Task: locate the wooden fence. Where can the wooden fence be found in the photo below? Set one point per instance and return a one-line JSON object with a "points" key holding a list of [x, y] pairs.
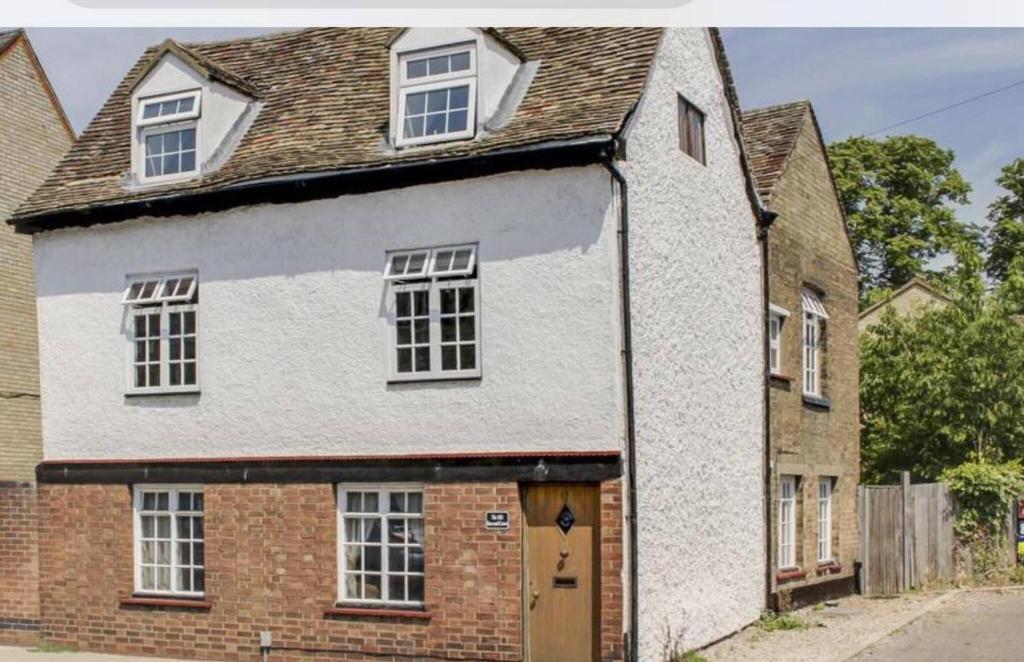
{"points": [[906, 536]]}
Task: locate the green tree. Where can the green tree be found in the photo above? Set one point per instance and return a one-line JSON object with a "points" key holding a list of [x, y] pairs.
{"points": [[1006, 218], [947, 386], [899, 195]]}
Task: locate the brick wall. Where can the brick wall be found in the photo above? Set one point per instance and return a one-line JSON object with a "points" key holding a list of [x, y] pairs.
{"points": [[19, 569], [271, 565], [808, 245]]}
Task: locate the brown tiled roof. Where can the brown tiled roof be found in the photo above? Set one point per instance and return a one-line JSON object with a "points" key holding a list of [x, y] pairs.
{"points": [[326, 101], [7, 38], [770, 135]]}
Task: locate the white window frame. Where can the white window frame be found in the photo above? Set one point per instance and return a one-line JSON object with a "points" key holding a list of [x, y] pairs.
{"points": [[776, 321], [825, 489], [787, 524], [384, 491], [434, 282], [156, 129], [166, 306], [407, 86], [814, 319], [167, 119], [173, 491]]}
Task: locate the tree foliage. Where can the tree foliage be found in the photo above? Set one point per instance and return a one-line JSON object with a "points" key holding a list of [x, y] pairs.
{"points": [[947, 386], [1006, 216], [899, 195]]}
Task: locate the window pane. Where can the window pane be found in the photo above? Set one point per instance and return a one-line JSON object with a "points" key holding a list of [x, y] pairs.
{"points": [[147, 578], [198, 552], [184, 579], [415, 559], [148, 501], [415, 589], [435, 124], [354, 587], [199, 580], [437, 65], [447, 301], [416, 261], [150, 110], [397, 502], [457, 121], [414, 127], [371, 530], [459, 97], [416, 68], [416, 531], [447, 329], [371, 558], [396, 530], [422, 359], [404, 360], [185, 105], [461, 259], [172, 141], [449, 358], [467, 328], [147, 550], [421, 302], [422, 331], [466, 302], [398, 263], [402, 304], [403, 332], [188, 161], [188, 139], [396, 588], [415, 104], [460, 61], [190, 373], [161, 503], [190, 348], [171, 164], [372, 587], [467, 357], [184, 527], [415, 502]]}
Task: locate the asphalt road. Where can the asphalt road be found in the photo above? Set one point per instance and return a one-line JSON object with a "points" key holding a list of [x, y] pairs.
{"points": [[978, 626]]}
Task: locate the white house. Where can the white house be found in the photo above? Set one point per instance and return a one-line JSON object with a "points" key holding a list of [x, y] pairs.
{"points": [[430, 342]]}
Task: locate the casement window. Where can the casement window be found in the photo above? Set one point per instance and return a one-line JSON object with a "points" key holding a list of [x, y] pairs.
{"points": [[168, 127], [824, 519], [691, 130], [436, 95], [380, 546], [787, 522], [776, 317], [162, 314], [169, 540], [433, 314], [814, 323]]}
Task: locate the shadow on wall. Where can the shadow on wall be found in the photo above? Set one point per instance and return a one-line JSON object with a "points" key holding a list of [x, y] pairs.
{"points": [[512, 216]]}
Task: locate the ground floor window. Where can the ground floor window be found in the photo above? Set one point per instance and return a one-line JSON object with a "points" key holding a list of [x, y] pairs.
{"points": [[824, 519], [381, 544], [169, 544], [787, 522]]}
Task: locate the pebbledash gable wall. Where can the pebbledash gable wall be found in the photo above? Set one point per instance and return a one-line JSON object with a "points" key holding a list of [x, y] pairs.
{"points": [[809, 246], [33, 137], [293, 335], [697, 342], [271, 564]]}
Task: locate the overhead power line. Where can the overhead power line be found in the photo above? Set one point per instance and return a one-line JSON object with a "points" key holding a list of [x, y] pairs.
{"points": [[949, 107]]}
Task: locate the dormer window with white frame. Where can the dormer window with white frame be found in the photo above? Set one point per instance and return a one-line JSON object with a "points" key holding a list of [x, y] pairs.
{"points": [[437, 95], [433, 313], [167, 128]]}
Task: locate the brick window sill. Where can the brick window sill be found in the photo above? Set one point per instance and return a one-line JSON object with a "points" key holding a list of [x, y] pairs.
{"points": [[374, 612], [817, 402], [779, 377], [177, 603], [828, 568], [788, 575]]}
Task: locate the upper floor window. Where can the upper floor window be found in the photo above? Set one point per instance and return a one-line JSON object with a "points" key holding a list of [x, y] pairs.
{"points": [[162, 316], [691, 130], [814, 323], [437, 95], [167, 135], [433, 313], [776, 317]]}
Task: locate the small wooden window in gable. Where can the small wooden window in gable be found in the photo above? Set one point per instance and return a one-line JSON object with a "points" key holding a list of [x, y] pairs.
{"points": [[691, 130]]}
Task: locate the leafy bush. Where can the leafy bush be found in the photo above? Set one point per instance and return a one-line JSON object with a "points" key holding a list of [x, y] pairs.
{"points": [[984, 490]]}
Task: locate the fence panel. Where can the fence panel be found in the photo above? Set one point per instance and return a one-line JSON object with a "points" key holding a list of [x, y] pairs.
{"points": [[881, 542], [930, 534]]}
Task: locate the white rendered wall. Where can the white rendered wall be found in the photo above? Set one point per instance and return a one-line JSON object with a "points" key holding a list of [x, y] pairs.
{"points": [[696, 295], [293, 332]]}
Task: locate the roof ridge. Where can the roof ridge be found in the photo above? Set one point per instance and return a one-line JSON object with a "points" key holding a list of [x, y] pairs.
{"points": [[804, 103]]}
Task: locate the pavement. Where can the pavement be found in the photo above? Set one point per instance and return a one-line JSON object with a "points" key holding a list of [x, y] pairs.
{"points": [[980, 626], [13, 654]]}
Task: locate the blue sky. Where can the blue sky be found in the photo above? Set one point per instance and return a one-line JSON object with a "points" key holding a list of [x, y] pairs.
{"points": [[859, 80]]}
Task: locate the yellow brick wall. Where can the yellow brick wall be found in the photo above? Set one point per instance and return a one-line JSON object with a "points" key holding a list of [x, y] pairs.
{"points": [[808, 246], [32, 140]]}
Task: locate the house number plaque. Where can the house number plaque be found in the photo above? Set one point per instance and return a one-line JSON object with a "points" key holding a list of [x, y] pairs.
{"points": [[496, 520]]}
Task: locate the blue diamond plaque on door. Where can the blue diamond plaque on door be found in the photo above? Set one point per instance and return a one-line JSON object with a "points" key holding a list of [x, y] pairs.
{"points": [[565, 519]]}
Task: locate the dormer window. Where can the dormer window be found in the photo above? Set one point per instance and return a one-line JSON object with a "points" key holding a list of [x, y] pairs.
{"points": [[167, 132], [437, 95]]}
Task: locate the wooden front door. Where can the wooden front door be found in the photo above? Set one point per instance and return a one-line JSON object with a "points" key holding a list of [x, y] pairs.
{"points": [[562, 579]]}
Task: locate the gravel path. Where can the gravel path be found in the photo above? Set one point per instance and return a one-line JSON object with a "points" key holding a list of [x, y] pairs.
{"points": [[836, 633]]}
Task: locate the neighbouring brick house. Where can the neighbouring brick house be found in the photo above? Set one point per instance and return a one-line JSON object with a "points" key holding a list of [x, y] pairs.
{"points": [[813, 365], [351, 343], [34, 135], [912, 298]]}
